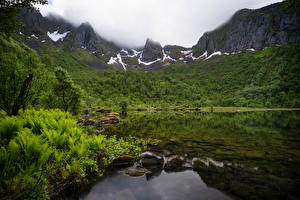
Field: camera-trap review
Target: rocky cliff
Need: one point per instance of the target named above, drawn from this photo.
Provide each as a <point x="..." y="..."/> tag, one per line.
<point x="35" y="22"/>
<point x="152" y="51"/>
<point x="254" y="29"/>
<point x="85" y="37"/>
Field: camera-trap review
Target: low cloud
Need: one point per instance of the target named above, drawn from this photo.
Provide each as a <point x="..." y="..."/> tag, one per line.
<point x="130" y="22"/>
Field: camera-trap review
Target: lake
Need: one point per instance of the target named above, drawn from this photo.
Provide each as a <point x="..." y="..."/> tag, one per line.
<point x="249" y="155"/>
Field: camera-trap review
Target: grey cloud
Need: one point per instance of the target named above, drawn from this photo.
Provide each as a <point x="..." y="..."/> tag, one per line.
<point x="130" y="22"/>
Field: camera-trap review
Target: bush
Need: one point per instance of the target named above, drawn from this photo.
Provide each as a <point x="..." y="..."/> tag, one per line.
<point x="47" y="149"/>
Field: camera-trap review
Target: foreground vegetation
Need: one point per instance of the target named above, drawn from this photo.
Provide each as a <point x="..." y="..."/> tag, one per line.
<point x="44" y="152"/>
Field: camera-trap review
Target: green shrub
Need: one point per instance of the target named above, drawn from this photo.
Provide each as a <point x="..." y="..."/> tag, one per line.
<point x="46" y="148"/>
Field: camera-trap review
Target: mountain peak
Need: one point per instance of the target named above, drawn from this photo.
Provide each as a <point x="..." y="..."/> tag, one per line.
<point x="152" y="43"/>
<point x="152" y="51"/>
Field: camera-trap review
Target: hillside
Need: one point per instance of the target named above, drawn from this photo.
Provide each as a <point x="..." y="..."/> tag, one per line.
<point x="254" y="29"/>
<point x="267" y="78"/>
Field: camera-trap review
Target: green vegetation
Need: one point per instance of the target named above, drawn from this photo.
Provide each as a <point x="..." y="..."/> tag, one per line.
<point x="267" y="78"/>
<point x="43" y="152"/>
<point x="21" y="77"/>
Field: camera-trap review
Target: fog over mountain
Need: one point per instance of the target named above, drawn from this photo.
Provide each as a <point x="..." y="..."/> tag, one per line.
<point x="131" y="22"/>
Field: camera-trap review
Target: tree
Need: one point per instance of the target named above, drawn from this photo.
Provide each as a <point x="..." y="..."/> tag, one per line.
<point x="67" y="93"/>
<point x="9" y="9"/>
<point x="20" y="81"/>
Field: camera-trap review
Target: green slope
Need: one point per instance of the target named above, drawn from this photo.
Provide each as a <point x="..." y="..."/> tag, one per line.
<point x="267" y="78"/>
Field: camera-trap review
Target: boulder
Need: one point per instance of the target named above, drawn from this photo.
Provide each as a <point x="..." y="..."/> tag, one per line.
<point x="109" y="120"/>
<point x="151" y="160"/>
<point x="124" y="161"/>
<point x="174" y="164"/>
<point x="136" y="171"/>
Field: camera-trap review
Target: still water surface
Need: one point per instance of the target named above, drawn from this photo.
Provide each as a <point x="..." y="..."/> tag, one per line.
<point x="173" y="186"/>
<point x="230" y="156"/>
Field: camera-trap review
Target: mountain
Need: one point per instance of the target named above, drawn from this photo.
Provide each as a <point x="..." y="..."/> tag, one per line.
<point x="35" y="22"/>
<point x="52" y="34"/>
<point x="254" y="29"/>
<point x="247" y="30"/>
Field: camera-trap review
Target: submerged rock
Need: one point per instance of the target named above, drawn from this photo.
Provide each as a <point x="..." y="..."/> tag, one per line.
<point x="174" y="164"/>
<point x="136" y="171"/>
<point x="124" y="161"/>
<point x="104" y="111"/>
<point x="109" y="120"/>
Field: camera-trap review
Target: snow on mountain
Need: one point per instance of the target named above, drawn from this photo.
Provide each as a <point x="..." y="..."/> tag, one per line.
<point x="148" y="63"/>
<point x="121" y="62"/>
<point x="214" y="54"/>
<point x="167" y="57"/>
<point x="55" y="36"/>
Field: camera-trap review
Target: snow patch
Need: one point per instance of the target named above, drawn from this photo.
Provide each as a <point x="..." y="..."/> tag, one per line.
<point x="186" y="52"/>
<point x="235" y="52"/>
<point x="135" y="53"/>
<point x="121" y="62"/>
<point x="21" y="33"/>
<point x="195" y="58"/>
<point x="116" y="60"/>
<point x="112" y="61"/>
<point x="33" y="36"/>
<point x="214" y="54"/>
<point x="43" y="41"/>
<point x="123" y="50"/>
<point x="250" y="49"/>
<point x="148" y="63"/>
<point x="55" y="36"/>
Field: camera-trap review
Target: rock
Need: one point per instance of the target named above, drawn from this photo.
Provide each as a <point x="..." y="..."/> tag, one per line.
<point x="113" y="114"/>
<point x="109" y="120"/>
<point x="174" y="164"/>
<point x="87" y="111"/>
<point x="198" y="165"/>
<point x="124" y="161"/>
<point x="80" y="121"/>
<point x="151" y="160"/>
<point x="87" y="122"/>
<point x="133" y="171"/>
<point x="152" y="51"/>
<point x="104" y="111"/>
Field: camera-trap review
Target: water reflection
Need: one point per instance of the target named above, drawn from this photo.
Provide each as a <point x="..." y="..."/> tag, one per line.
<point x="173" y="186"/>
<point x="258" y="151"/>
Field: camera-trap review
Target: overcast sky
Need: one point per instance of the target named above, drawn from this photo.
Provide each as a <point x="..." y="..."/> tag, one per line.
<point x="131" y="22"/>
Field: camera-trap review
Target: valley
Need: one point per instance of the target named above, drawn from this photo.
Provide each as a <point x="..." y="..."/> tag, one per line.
<point x="83" y="117"/>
